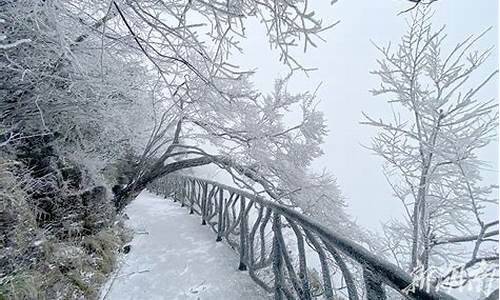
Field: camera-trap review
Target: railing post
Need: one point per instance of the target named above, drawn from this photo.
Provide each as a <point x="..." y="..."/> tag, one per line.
<point x="220" y="212"/>
<point x="192" y="196"/>
<point x="325" y="271"/>
<point x="179" y="184"/>
<point x="184" y="192"/>
<point x="165" y="187"/>
<point x="277" y="259"/>
<point x="306" y="290"/>
<point x="373" y="284"/>
<point x="204" y="204"/>
<point x="349" y="280"/>
<point x="175" y="186"/>
<point x="243" y="235"/>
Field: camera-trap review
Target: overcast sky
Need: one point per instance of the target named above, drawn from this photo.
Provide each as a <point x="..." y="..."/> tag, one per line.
<point x="344" y="63"/>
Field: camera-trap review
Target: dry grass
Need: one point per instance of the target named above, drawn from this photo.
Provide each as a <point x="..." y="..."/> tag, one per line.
<point x="35" y="263"/>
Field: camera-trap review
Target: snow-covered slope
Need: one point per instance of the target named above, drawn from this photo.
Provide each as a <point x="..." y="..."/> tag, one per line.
<point x="174" y="257"/>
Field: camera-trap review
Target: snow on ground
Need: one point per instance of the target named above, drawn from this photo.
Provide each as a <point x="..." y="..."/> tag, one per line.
<point x="174" y="257"/>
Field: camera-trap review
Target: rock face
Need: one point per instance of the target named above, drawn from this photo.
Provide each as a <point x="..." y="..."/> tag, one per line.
<point x="56" y="224"/>
<point x="66" y="205"/>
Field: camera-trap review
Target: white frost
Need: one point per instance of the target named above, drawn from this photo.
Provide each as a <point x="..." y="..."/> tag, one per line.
<point x="13" y="45"/>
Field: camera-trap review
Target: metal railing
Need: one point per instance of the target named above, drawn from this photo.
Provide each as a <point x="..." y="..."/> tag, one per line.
<point x="287" y="253"/>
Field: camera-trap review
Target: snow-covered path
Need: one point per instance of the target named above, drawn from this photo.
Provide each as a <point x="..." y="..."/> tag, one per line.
<point x="174" y="257"/>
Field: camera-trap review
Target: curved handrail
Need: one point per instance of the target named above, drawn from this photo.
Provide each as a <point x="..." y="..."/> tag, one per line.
<point x="248" y="227"/>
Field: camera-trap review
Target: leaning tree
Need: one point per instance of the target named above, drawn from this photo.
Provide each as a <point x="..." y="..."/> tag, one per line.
<point x="76" y="71"/>
<point x="202" y="98"/>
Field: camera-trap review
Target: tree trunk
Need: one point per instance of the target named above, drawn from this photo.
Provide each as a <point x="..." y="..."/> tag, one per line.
<point x="124" y="196"/>
<point x="421" y="227"/>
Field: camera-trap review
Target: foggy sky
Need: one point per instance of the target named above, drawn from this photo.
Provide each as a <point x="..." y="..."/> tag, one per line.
<point x="344" y="62"/>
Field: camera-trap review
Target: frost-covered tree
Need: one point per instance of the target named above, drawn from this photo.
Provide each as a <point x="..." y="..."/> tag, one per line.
<point x="90" y="96"/>
<point x="431" y="150"/>
<point x="89" y="74"/>
<point x="203" y="98"/>
<point x="71" y="104"/>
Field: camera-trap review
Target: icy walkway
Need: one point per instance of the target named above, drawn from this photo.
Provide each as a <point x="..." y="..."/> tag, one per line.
<point x="174" y="257"/>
